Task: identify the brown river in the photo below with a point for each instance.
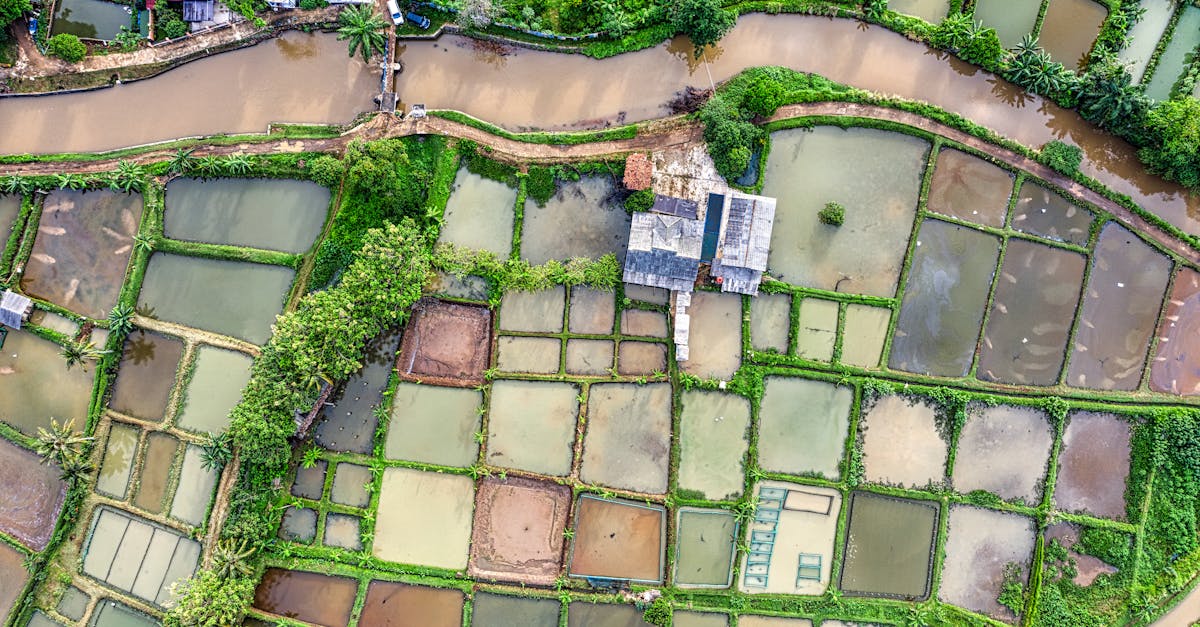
(308, 78)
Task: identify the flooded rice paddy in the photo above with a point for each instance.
(699, 619)
(944, 300)
(37, 386)
(13, 575)
(531, 425)
(889, 546)
(1121, 304)
(618, 539)
(592, 311)
(969, 188)
(1041, 211)
(1004, 450)
(83, 245)
(865, 333)
(1175, 56)
(817, 336)
(716, 335)
(929, 10)
(424, 518)
(495, 610)
(584, 218)
(146, 375)
(1069, 29)
(112, 614)
(581, 614)
(770, 319)
(157, 461)
(1012, 19)
(218, 377)
(195, 489)
(901, 443)
(201, 293)
(713, 432)
(479, 214)
(803, 438)
(10, 206)
(1093, 465)
(117, 466)
(628, 439)
(808, 168)
(1175, 368)
(533, 311)
(32, 497)
(1036, 294)
(275, 214)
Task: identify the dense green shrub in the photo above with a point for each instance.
(703, 21)
(309, 5)
(10, 11)
(970, 40)
(1174, 150)
(171, 29)
(764, 96)
(640, 200)
(1108, 97)
(1061, 157)
(207, 599)
(658, 612)
(326, 170)
(385, 181)
(1107, 544)
(66, 47)
(479, 163)
(1012, 593)
(832, 214)
(541, 184)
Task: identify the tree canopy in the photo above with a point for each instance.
(703, 21)
(363, 28)
(1174, 153)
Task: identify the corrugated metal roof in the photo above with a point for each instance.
(197, 10)
(13, 309)
(673, 206)
(748, 224)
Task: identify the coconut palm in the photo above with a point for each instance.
(76, 469)
(81, 352)
(231, 558)
(1108, 97)
(60, 443)
(209, 166)
(217, 452)
(120, 319)
(128, 177)
(364, 30)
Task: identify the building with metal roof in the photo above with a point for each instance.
(664, 251)
(743, 243)
(14, 309)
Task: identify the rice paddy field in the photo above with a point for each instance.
(950, 409)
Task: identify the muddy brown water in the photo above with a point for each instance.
(518, 530)
(1025, 341)
(310, 597)
(276, 214)
(944, 300)
(391, 604)
(1069, 30)
(146, 375)
(82, 248)
(618, 540)
(979, 544)
(888, 547)
(37, 387)
(10, 206)
(156, 471)
(1041, 211)
(296, 78)
(583, 219)
(524, 88)
(1176, 367)
(495, 610)
(1120, 308)
(1003, 450)
(32, 496)
(628, 439)
(967, 187)
(581, 614)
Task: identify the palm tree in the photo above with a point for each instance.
(61, 443)
(1107, 98)
(81, 352)
(209, 166)
(70, 181)
(76, 468)
(128, 177)
(231, 558)
(364, 29)
(120, 319)
(17, 185)
(217, 452)
(181, 161)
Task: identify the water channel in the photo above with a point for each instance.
(521, 89)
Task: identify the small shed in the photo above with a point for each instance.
(14, 309)
(197, 10)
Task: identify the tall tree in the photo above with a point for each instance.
(364, 30)
(703, 21)
(10, 11)
(1174, 153)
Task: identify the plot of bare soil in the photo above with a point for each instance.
(82, 249)
(1093, 465)
(390, 604)
(901, 444)
(518, 534)
(1176, 367)
(618, 540)
(31, 498)
(980, 543)
(446, 343)
(1003, 450)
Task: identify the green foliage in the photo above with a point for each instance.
(310, 5)
(385, 181)
(705, 22)
(1012, 592)
(63, 446)
(875, 10)
(640, 200)
(66, 47)
(12, 10)
(953, 33)
(1174, 150)
(209, 600)
(364, 29)
(968, 39)
(170, 24)
(326, 170)
(126, 40)
(764, 96)
(1110, 545)
(217, 451)
(1061, 157)
(1032, 69)
(80, 353)
(832, 214)
(479, 163)
(120, 319)
(658, 612)
(542, 184)
(1108, 97)
(510, 274)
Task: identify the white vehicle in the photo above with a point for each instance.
(394, 9)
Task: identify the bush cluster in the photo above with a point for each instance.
(66, 47)
(1061, 157)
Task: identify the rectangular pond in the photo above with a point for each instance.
(390, 604)
(138, 557)
(157, 462)
(14, 576)
(532, 424)
(10, 206)
(496, 610)
(704, 548)
(36, 385)
(932, 11)
(434, 425)
(800, 438)
(1025, 341)
(1120, 310)
(969, 188)
(875, 175)
(1175, 367)
(310, 597)
(1041, 211)
(1012, 19)
(218, 377)
(1174, 59)
(276, 214)
(195, 490)
(1069, 29)
(117, 466)
(32, 496)
(1144, 36)
(713, 439)
(424, 518)
(479, 214)
(348, 423)
(628, 440)
(229, 297)
(83, 245)
(583, 219)
(92, 19)
(889, 547)
(146, 375)
(618, 540)
(944, 300)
